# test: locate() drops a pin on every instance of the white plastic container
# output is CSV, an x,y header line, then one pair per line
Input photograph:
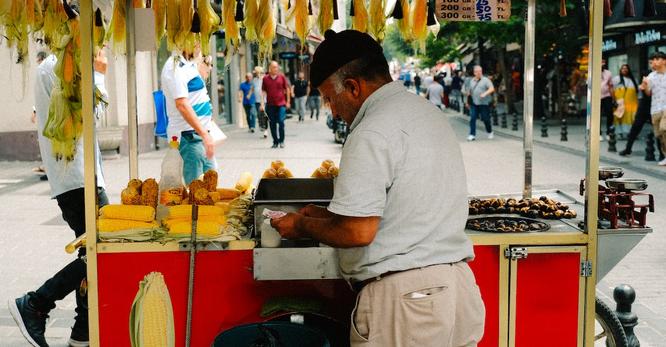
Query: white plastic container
x,y
270,238
171,175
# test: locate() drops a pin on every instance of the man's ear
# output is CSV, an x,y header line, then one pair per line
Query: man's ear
x,y
353,86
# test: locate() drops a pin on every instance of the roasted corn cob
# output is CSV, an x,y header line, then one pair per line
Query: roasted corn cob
x,y
128,212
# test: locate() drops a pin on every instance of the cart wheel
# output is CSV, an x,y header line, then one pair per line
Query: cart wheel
x,y
608,328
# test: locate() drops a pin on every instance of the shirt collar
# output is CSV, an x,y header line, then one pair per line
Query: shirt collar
x,y
384,92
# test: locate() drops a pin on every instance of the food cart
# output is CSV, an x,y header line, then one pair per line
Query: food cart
x,y
538,288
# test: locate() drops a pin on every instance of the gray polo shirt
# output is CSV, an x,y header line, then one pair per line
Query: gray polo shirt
x,y
478,87
402,162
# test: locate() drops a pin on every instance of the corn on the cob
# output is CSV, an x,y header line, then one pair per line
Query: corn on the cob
x,y
283,172
204,228
231,31
169,222
377,20
159,10
327,163
117,31
266,25
209,23
333,172
418,18
151,317
185,211
244,182
320,173
228,193
269,173
325,18
138,213
301,19
360,20
277,164
130,196
251,21
110,225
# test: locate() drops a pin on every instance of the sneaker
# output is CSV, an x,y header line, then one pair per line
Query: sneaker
x,y
471,138
491,135
79,336
252,130
274,145
625,153
282,145
265,133
31,322
662,162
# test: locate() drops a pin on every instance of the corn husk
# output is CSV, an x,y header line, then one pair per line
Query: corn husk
x,y
360,19
266,25
172,23
210,21
325,18
159,10
418,18
377,24
116,33
151,317
301,19
231,30
252,25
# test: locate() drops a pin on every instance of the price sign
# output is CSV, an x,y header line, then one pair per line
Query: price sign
x,y
473,10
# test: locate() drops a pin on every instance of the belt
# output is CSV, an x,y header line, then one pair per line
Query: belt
x,y
188,132
358,286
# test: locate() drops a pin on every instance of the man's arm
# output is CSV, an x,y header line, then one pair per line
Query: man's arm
x,y
287,91
336,231
645,86
490,90
240,95
186,110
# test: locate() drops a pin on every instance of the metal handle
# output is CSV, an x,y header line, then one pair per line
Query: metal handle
x,y
76,243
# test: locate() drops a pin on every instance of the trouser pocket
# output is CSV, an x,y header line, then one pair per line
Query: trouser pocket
x,y
360,321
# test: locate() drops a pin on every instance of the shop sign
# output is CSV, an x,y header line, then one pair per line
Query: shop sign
x,y
288,55
473,10
609,45
647,36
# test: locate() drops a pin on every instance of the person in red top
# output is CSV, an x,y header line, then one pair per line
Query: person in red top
x,y
276,91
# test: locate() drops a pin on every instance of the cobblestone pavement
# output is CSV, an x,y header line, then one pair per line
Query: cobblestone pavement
x,y
34,234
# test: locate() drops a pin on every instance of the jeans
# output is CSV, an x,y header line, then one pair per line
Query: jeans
x,y
607,111
193,153
484,112
300,106
250,115
315,105
276,116
69,279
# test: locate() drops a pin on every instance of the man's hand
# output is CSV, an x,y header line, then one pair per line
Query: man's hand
x,y
287,225
261,107
100,63
644,84
288,104
209,145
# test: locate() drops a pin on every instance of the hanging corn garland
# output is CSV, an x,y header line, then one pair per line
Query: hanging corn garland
x,y
299,14
209,22
325,18
360,15
231,31
159,11
251,20
419,11
172,23
117,28
266,32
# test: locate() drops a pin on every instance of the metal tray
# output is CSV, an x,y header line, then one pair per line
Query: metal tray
x,y
293,190
542,225
624,184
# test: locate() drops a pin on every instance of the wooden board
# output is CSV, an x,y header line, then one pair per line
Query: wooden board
x,y
473,10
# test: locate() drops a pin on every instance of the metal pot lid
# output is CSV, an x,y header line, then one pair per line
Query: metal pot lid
x,y
627,183
606,172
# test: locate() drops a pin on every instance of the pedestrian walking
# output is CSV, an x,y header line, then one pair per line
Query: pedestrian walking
x,y
66,180
417,84
607,97
300,90
247,96
626,99
262,117
314,102
190,113
413,284
435,93
276,92
480,91
654,85
642,118
456,98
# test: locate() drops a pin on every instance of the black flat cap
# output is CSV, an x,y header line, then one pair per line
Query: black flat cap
x,y
338,49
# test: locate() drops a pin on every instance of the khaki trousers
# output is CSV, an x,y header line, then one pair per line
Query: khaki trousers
x,y
438,305
659,128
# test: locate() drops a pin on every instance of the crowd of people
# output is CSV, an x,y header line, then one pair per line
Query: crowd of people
x,y
267,98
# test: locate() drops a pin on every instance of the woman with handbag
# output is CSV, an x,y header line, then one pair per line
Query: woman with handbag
x,y
626,98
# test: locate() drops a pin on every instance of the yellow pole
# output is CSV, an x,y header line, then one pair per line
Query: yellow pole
x,y
90,185
592,164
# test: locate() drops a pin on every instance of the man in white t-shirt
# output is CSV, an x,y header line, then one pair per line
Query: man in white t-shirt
x,y
655,85
190,113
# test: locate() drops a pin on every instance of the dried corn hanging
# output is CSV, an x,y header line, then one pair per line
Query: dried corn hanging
x,y
209,23
185,38
54,17
325,18
418,18
301,19
16,30
402,11
377,20
267,29
117,28
231,31
360,14
34,14
252,25
172,23
159,10
99,30
151,317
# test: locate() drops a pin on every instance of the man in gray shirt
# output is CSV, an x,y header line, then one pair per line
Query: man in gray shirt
x,y
480,90
399,208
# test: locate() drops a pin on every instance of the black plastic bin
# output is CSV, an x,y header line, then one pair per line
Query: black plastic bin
x,y
272,334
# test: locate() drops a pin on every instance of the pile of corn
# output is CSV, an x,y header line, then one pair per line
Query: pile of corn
x,y
210,221
151,317
277,170
326,170
127,222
